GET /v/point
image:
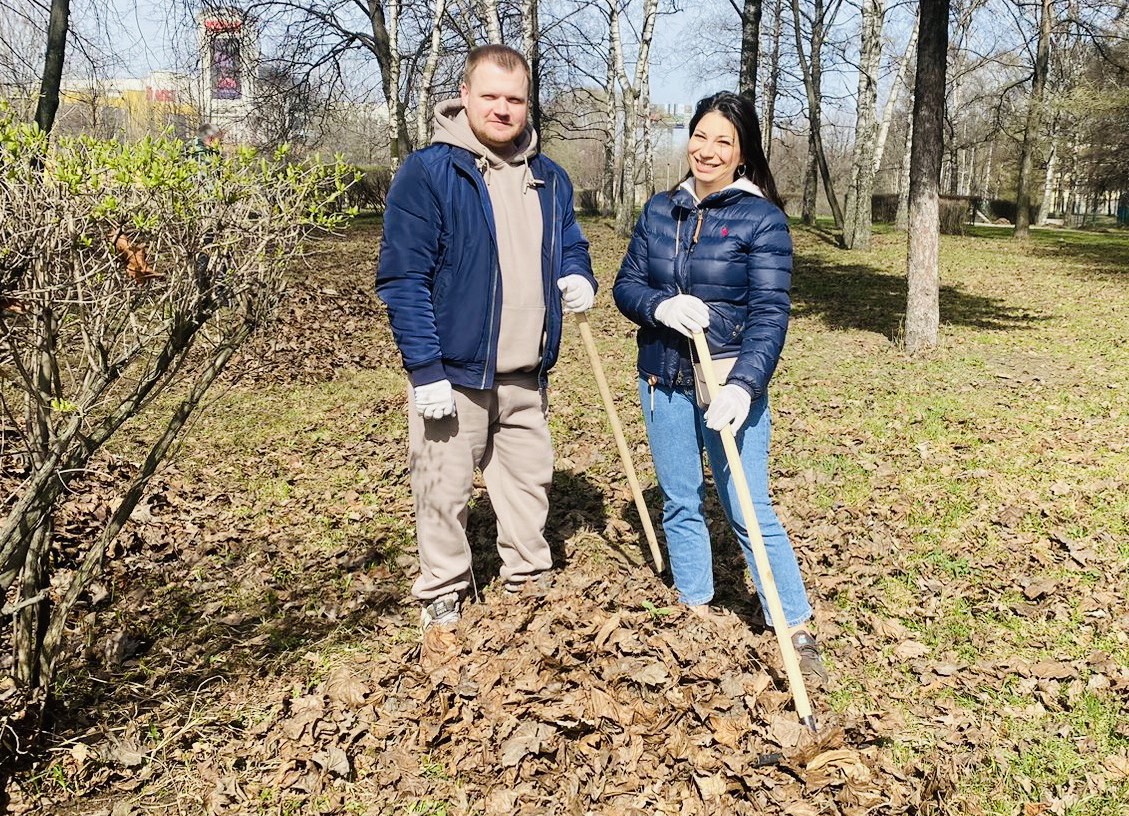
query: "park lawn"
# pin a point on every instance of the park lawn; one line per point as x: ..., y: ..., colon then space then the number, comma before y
x: 962, y: 518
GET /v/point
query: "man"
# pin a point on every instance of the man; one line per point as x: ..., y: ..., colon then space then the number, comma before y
x: 480, y: 258
x: 206, y: 143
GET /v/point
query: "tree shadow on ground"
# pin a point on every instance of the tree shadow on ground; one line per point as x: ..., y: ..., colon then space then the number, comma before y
x: 185, y: 639
x: 575, y: 503
x: 857, y: 296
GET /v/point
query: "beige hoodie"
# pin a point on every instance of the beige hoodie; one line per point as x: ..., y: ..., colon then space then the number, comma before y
x: 517, y: 225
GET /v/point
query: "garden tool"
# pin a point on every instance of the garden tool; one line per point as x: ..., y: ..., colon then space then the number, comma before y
x: 760, y: 555
x: 617, y: 431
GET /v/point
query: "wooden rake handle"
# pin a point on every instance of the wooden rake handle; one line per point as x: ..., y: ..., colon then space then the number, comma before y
x: 760, y: 555
x: 617, y: 431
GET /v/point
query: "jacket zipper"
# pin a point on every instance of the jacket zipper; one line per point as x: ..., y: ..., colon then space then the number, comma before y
x: 552, y: 266
x: 686, y: 267
x: 491, y: 349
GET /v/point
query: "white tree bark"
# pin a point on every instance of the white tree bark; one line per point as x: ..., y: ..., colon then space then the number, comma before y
x: 636, y: 105
x: 1047, y: 203
x: 423, y: 113
x: 857, y: 218
x: 1034, y: 121
x: 395, y: 119
x: 892, y: 100
x: 492, y: 20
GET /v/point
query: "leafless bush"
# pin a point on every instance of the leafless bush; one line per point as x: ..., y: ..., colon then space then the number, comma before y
x: 128, y: 274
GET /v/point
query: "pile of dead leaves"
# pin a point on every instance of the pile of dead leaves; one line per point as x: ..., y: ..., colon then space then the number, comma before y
x: 559, y: 702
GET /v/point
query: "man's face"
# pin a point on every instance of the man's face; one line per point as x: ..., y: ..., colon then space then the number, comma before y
x: 496, y: 103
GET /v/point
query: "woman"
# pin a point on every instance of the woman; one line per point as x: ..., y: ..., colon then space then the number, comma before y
x: 715, y: 255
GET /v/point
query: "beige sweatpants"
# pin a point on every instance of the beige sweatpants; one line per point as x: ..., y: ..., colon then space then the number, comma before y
x: 504, y: 432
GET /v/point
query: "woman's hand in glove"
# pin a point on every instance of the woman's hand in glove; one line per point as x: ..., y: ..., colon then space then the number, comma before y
x: 685, y: 314
x: 730, y: 407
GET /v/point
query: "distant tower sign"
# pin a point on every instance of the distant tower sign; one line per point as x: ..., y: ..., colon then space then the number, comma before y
x: 224, y: 35
x: 229, y: 53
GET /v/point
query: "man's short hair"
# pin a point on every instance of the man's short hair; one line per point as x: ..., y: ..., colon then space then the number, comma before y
x: 207, y: 131
x: 503, y: 56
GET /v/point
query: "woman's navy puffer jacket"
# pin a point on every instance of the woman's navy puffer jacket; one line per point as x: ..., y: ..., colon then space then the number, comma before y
x: 734, y: 251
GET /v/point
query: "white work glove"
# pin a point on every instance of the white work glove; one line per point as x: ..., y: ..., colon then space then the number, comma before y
x: 729, y: 407
x: 685, y: 314
x: 435, y: 400
x: 577, y: 294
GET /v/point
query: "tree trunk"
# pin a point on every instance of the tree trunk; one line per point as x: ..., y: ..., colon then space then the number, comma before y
x: 53, y: 60
x: 922, y: 268
x: 1047, y: 203
x: 423, y: 114
x: 750, y: 48
x: 772, y: 82
x: 856, y: 228
x: 387, y: 48
x: 612, y: 143
x: 811, y: 183
x: 648, y: 138
x: 892, y: 100
x: 812, y: 68
x: 530, y: 31
x: 901, y: 219
x: 492, y: 20
x: 1034, y: 122
x: 636, y: 106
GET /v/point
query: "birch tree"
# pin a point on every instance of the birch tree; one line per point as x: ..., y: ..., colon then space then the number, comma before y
x: 750, y: 13
x: 635, y: 103
x: 811, y: 66
x: 895, y: 95
x: 856, y: 227
x: 423, y: 108
x: 772, y: 81
x: 922, y: 263
x: 1033, y: 121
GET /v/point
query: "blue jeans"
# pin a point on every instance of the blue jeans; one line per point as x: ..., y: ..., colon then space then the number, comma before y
x: 678, y: 434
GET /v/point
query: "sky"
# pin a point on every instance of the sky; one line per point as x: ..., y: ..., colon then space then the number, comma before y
x: 151, y: 42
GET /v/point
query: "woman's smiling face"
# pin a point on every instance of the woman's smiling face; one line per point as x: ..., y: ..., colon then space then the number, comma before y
x: 714, y: 152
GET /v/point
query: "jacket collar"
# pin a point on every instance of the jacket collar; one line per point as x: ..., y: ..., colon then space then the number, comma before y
x: 686, y: 198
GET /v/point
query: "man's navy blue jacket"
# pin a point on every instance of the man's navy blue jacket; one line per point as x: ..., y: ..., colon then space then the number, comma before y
x: 733, y: 250
x: 438, y: 270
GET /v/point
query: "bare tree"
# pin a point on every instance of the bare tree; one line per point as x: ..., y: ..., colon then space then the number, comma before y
x: 856, y: 226
x: 922, y: 265
x: 423, y: 106
x: 635, y: 103
x: 772, y: 80
x: 750, y: 13
x: 53, y: 60
x: 1033, y: 121
x: 811, y: 64
x: 892, y: 100
x: 131, y: 278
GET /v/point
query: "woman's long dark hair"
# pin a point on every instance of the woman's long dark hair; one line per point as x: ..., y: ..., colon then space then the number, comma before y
x: 742, y: 114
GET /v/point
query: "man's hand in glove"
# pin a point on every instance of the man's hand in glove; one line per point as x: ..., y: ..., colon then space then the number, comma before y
x: 685, y: 314
x: 729, y: 407
x: 577, y: 294
x: 435, y: 400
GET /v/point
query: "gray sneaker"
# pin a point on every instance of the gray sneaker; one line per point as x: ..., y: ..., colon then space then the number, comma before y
x: 811, y: 661
x: 442, y: 611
